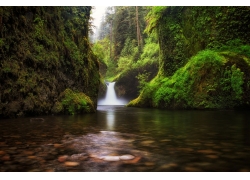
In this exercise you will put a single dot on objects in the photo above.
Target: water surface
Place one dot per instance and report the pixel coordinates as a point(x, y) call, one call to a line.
point(154, 140)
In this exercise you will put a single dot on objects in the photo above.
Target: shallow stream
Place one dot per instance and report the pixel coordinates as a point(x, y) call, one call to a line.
point(122, 139)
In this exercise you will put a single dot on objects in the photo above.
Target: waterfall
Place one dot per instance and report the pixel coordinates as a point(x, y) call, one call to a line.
point(111, 98)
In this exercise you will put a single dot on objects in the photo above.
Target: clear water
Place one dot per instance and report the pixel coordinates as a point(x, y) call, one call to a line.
point(175, 141)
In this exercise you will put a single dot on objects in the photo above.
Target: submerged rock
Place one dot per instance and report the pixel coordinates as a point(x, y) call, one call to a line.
point(62, 158)
point(111, 158)
point(147, 143)
point(71, 163)
point(127, 157)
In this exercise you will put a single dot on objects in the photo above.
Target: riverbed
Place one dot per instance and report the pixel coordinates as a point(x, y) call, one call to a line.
point(126, 139)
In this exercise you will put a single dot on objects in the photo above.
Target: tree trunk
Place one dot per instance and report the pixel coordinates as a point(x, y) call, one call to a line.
point(111, 24)
point(139, 37)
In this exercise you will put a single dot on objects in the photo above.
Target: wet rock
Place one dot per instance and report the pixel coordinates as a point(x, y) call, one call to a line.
point(49, 170)
point(2, 153)
point(165, 140)
point(192, 169)
point(209, 144)
point(32, 157)
point(149, 163)
point(28, 153)
point(6, 158)
point(35, 170)
point(58, 145)
point(207, 151)
point(200, 164)
point(81, 157)
point(13, 148)
point(127, 157)
point(226, 150)
point(147, 143)
point(212, 156)
point(71, 163)
point(18, 143)
point(111, 158)
point(63, 158)
point(133, 161)
point(12, 152)
point(185, 149)
point(167, 166)
point(3, 143)
point(227, 144)
point(49, 157)
point(245, 170)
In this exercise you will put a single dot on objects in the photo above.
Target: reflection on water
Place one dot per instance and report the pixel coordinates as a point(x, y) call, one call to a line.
point(118, 138)
point(110, 119)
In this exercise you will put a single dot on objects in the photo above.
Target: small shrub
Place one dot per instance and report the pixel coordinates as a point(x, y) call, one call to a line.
point(76, 102)
point(237, 82)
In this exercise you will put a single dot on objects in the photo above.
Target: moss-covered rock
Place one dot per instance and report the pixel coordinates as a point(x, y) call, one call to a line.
point(210, 80)
point(44, 51)
point(184, 31)
point(71, 102)
point(204, 58)
point(128, 82)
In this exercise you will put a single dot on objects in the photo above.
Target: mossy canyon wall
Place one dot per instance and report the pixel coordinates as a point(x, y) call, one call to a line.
point(47, 66)
point(184, 31)
point(204, 59)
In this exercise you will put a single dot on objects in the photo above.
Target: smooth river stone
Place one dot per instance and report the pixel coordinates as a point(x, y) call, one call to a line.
point(127, 157)
point(2, 152)
point(58, 145)
point(111, 158)
point(6, 158)
point(149, 142)
point(167, 166)
point(149, 163)
point(71, 163)
point(212, 156)
point(207, 151)
point(192, 169)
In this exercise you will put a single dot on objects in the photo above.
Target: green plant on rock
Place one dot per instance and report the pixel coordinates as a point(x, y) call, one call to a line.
point(237, 82)
point(76, 102)
point(143, 79)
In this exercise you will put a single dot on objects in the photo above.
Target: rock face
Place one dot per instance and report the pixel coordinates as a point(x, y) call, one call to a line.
point(184, 31)
point(204, 60)
point(127, 84)
point(45, 55)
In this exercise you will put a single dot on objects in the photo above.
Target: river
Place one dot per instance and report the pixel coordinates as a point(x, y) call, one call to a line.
point(126, 139)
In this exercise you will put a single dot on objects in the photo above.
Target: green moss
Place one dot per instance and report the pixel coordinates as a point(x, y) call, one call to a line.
point(237, 82)
point(43, 52)
point(184, 31)
point(75, 102)
point(209, 80)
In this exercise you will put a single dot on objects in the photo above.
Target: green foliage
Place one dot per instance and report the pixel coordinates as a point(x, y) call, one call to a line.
point(236, 46)
point(75, 102)
point(39, 28)
point(99, 51)
point(184, 31)
point(150, 54)
point(1, 42)
point(237, 82)
point(154, 18)
point(124, 63)
point(143, 79)
point(206, 81)
point(43, 52)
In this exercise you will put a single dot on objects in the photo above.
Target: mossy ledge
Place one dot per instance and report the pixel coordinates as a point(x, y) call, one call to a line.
point(47, 65)
point(210, 80)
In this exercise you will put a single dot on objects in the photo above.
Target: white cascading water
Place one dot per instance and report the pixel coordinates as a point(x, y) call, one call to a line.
point(111, 98)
